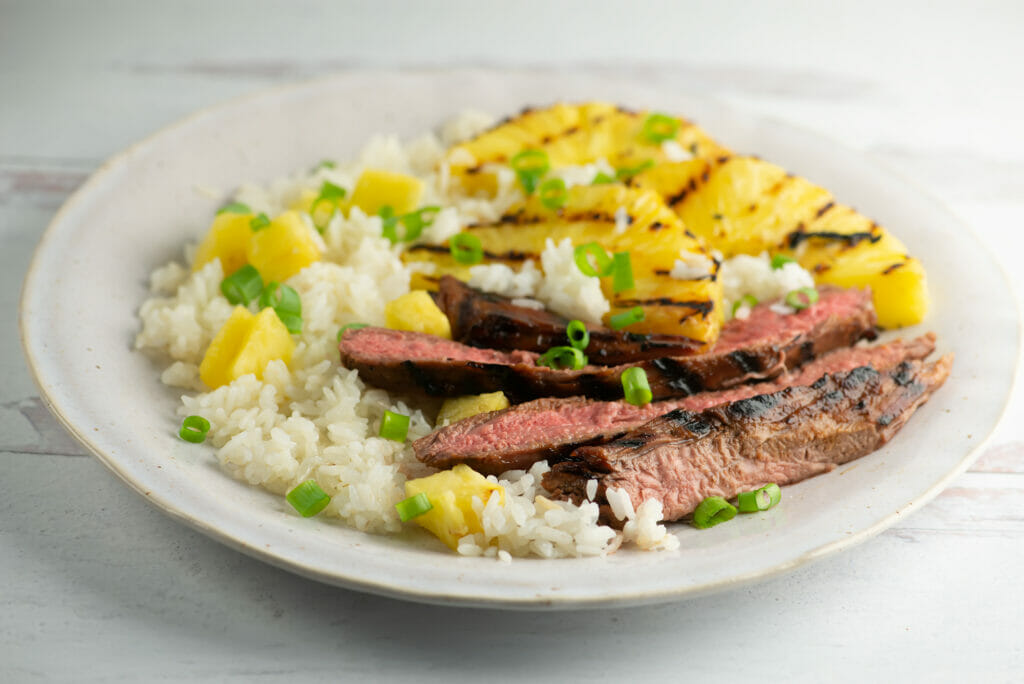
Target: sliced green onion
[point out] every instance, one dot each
(466, 249)
(327, 164)
(592, 250)
(635, 388)
(659, 128)
(578, 335)
(627, 172)
(747, 300)
(413, 507)
(414, 222)
(234, 208)
(780, 260)
(292, 321)
(530, 166)
(802, 298)
(329, 194)
(350, 326)
(394, 426)
(629, 317)
(242, 286)
(712, 511)
(752, 502)
(602, 178)
(308, 498)
(259, 222)
(194, 429)
(563, 358)
(774, 493)
(760, 499)
(280, 298)
(622, 272)
(553, 193)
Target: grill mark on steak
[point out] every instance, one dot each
(772, 343)
(482, 319)
(793, 434)
(550, 429)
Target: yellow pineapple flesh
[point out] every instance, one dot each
(652, 234)
(744, 205)
(570, 135)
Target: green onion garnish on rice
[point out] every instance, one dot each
(628, 317)
(413, 224)
(242, 286)
(622, 272)
(285, 302)
(602, 178)
(563, 358)
(780, 260)
(592, 260)
(350, 326)
(553, 193)
(308, 498)
(234, 208)
(530, 166)
(327, 164)
(329, 194)
(259, 222)
(578, 335)
(466, 249)
(659, 128)
(413, 507)
(394, 426)
(713, 511)
(635, 388)
(194, 429)
(801, 298)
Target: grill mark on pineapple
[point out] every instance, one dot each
(851, 239)
(893, 267)
(700, 306)
(824, 209)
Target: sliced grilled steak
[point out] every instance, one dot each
(488, 320)
(760, 347)
(521, 435)
(682, 457)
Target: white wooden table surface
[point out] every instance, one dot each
(95, 585)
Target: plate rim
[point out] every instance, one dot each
(51, 397)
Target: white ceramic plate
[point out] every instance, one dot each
(90, 272)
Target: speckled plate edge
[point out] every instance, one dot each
(53, 398)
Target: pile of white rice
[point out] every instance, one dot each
(313, 419)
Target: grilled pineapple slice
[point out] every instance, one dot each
(653, 235)
(743, 205)
(570, 135)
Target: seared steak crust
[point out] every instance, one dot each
(760, 347)
(682, 457)
(551, 429)
(481, 319)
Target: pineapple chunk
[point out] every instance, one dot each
(451, 493)
(417, 312)
(652, 234)
(283, 248)
(743, 205)
(245, 344)
(570, 135)
(377, 189)
(226, 240)
(454, 410)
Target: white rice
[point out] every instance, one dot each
(753, 275)
(313, 419)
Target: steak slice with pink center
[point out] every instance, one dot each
(550, 428)
(762, 346)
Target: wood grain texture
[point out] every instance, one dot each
(98, 586)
